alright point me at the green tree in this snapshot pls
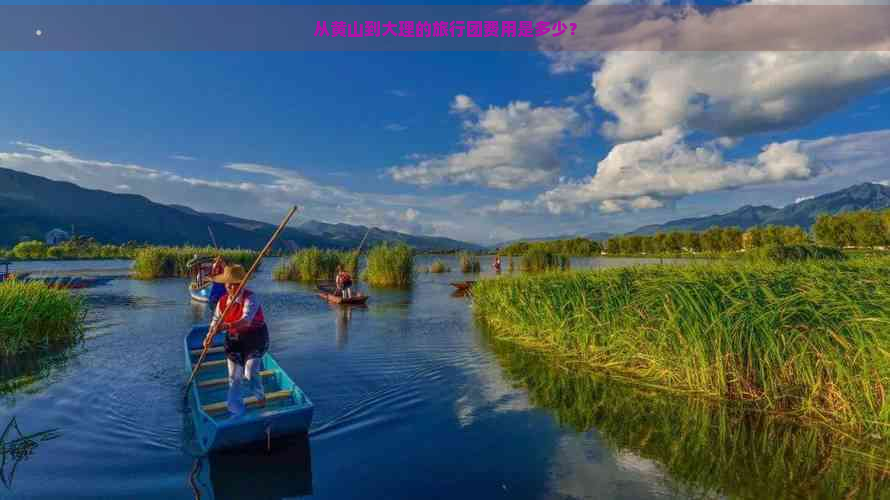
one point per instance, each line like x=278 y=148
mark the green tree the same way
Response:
x=30 y=250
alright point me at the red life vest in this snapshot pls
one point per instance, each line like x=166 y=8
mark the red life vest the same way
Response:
x=237 y=311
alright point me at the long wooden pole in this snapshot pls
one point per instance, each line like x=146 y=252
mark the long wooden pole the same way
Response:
x=212 y=238
x=210 y=334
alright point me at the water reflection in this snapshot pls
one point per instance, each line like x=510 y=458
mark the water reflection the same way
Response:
x=23 y=373
x=344 y=316
x=707 y=450
x=16 y=447
x=283 y=472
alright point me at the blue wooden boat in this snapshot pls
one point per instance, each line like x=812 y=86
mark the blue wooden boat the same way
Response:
x=209 y=293
x=288 y=410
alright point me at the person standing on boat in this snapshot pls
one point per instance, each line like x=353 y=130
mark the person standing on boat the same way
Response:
x=344 y=283
x=217 y=290
x=247 y=338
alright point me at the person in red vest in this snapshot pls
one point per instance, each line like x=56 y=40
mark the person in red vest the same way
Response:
x=497 y=263
x=247 y=338
x=344 y=283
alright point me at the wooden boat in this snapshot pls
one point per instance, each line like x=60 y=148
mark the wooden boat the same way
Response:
x=464 y=286
x=329 y=295
x=288 y=410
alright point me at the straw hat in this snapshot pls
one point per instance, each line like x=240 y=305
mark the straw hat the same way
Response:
x=231 y=274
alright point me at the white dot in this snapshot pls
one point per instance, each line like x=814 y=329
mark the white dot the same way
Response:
x=38 y=32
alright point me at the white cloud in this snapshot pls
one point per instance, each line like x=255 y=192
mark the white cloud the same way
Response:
x=730 y=71
x=399 y=93
x=123 y=187
x=730 y=93
x=183 y=157
x=641 y=174
x=803 y=198
x=395 y=127
x=885 y=182
x=508 y=148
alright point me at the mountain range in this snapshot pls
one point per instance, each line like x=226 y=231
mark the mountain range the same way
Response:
x=865 y=196
x=30 y=206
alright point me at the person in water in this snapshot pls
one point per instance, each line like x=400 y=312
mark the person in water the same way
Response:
x=344 y=283
x=247 y=338
x=497 y=263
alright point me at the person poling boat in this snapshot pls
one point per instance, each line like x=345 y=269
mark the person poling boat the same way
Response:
x=344 y=283
x=247 y=338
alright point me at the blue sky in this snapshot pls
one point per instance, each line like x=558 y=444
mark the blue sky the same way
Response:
x=476 y=146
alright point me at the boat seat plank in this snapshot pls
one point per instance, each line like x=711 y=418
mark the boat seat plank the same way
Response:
x=250 y=401
x=212 y=350
x=225 y=380
x=211 y=364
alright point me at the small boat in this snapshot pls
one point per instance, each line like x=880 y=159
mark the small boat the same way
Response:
x=464 y=286
x=329 y=295
x=200 y=293
x=288 y=410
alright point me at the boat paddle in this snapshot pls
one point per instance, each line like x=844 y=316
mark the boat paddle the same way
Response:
x=213 y=330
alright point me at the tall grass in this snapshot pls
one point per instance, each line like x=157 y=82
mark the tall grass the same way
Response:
x=169 y=262
x=789 y=253
x=807 y=340
x=33 y=316
x=313 y=264
x=539 y=259
x=439 y=267
x=390 y=266
x=707 y=450
x=469 y=263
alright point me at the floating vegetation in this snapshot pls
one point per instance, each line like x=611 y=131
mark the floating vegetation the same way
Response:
x=469 y=263
x=16 y=447
x=805 y=340
x=540 y=259
x=390 y=266
x=439 y=267
x=313 y=264
x=34 y=316
x=171 y=262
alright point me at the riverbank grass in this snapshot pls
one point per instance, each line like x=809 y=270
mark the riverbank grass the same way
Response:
x=390 y=266
x=33 y=316
x=805 y=339
x=313 y=264
x=171 y=262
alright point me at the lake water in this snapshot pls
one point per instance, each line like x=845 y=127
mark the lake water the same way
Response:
x=412 y=400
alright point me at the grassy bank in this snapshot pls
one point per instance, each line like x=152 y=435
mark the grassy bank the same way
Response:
x=171 y=262
x=390 y=266
x=708 y=450
x=33 y=317
x=69 y=250
x=313 y=264
x=806 y=339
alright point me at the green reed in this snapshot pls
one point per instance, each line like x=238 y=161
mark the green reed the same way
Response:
x=792 y=253
x=469 y=263
x=539 y=259
x=314 y=264
x=33 y=316
x=706 y=449
x=169 y=262
x=390 y=266
x=808 y=339
x=439 y=267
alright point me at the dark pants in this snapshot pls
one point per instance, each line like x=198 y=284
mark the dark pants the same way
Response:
x=247 y=344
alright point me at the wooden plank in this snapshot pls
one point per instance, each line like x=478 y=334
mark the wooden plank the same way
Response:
x=211 y=364
x=251 y=401
x=212 y=350
x=225 y=380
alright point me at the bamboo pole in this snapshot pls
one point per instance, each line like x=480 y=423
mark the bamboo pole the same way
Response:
x=213 y=330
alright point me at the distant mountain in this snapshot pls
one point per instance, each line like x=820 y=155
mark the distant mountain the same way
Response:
x=865 y=196
x=30 y=206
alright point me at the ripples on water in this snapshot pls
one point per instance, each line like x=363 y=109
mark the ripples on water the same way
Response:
x=412 y=401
